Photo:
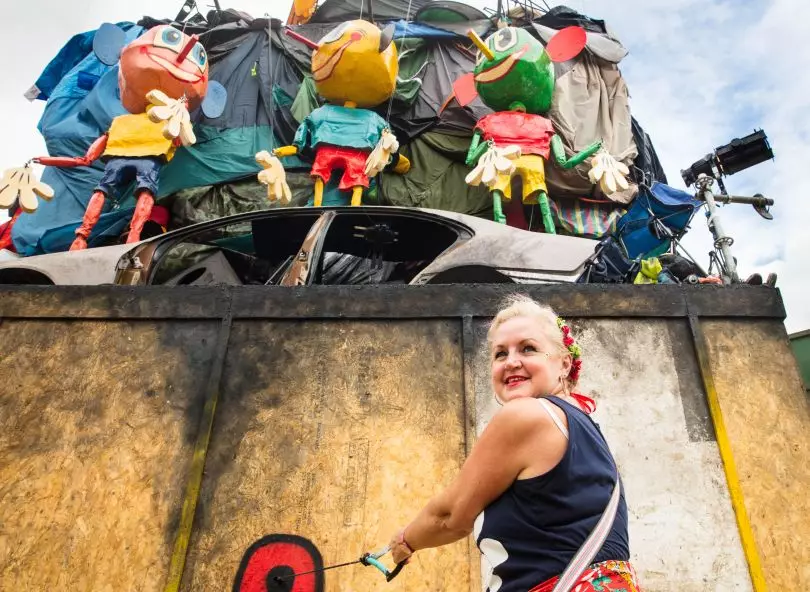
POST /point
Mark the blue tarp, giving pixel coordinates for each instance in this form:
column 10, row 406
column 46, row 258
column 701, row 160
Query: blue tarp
column 411, row 29
column 73, row 118
column 73, row 52
column 110, row 226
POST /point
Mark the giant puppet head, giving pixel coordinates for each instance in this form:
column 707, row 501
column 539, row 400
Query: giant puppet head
column 515, row 72
column 163, row 59
column 357, row 63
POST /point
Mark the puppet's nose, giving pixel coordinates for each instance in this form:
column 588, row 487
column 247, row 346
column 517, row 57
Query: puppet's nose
column 357, row 36
column 182, row 55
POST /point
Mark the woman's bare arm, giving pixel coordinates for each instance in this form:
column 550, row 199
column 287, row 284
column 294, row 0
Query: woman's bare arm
column 520, row 435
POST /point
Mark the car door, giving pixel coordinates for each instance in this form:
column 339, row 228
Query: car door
column 248, row 249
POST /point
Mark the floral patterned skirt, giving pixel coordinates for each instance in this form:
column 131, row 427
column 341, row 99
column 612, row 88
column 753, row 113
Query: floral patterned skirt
column 608, row 576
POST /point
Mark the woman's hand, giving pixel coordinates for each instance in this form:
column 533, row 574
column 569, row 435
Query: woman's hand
column 400, row 549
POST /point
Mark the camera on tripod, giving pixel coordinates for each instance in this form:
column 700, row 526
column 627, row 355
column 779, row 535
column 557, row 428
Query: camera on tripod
column 736, row 156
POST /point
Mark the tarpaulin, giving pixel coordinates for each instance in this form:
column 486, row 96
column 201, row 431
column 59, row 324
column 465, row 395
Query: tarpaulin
column 74, row 117
column 335, row 11
column 647, row 168
column 436, row 178
column 404, row 28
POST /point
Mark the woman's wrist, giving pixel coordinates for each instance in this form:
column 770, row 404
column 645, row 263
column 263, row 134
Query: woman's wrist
column 402, row 541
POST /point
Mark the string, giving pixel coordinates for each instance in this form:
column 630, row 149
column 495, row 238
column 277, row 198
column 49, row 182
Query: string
column 272, row 80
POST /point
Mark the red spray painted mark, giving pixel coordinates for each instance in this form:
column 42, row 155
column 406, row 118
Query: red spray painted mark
column 279, row 555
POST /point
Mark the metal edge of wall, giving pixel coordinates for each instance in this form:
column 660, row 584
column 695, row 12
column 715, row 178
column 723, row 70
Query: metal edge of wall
column 729, row 466
column 383, row 301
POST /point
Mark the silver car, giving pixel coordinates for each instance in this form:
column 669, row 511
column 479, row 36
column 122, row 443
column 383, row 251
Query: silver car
column 305, row 246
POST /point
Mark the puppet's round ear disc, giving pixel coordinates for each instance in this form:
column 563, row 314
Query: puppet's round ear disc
column 216, row 96
column 567, row 44
column 108, row 42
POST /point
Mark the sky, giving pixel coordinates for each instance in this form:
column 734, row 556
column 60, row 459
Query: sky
column 700, row 73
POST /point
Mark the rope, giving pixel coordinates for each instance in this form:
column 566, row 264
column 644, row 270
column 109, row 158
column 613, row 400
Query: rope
column 272, row 79
column 280, row 579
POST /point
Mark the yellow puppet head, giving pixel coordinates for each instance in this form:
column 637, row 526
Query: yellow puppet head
column 357, row 63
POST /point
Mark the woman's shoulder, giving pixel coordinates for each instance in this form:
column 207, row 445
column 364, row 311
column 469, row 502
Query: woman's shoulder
column 525, row 413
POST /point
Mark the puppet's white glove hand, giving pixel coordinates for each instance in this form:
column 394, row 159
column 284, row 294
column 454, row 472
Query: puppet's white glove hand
column 22, row 183
column 609, row 173
column 274, row 177
column 175, row 113
column 381, row 154
column 495, row 161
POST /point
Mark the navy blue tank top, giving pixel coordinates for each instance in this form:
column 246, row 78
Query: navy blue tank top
column 531, row 532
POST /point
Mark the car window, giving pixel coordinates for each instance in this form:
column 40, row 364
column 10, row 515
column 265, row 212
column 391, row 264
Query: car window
column 381, row 248
column 255, row 251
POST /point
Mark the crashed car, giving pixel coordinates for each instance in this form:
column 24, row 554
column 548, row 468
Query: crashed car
column 328, row 246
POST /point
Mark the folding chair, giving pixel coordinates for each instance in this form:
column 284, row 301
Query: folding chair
column 657, row 218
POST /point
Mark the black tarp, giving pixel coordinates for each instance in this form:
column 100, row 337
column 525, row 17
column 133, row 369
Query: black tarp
column 443, row 64
column 647, row 167
column 562, row 16
column 336, row 11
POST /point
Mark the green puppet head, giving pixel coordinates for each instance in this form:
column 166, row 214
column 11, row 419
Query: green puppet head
column 516, row 73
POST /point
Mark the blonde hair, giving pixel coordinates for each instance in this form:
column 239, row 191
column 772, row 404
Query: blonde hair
column 519, row 305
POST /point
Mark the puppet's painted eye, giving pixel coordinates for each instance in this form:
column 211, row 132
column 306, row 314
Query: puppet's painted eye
column 199, row 55
column 335, row 33
column 171, row 37
column 505, row 39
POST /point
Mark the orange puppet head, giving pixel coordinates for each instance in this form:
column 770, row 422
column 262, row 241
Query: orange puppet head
column 163, row 59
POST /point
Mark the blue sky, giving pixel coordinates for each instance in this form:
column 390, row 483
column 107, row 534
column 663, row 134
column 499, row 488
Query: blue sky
column 700, row 72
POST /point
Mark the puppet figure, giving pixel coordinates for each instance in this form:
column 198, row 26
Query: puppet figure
column 514, row 76
column 162, row 75
column 354, row 68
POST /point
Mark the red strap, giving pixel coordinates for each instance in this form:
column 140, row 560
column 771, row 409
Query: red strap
column 587, row 404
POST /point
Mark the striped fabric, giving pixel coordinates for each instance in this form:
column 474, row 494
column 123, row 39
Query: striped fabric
column 587, row 219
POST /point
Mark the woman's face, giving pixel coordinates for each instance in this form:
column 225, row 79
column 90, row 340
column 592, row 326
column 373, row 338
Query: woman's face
column 525, row 363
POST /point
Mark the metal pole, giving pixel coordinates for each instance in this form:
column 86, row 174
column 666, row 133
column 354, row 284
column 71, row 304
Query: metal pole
column 756, row 200
column 721, row 241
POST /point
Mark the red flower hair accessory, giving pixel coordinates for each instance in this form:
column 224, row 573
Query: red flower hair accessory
column 573, row 349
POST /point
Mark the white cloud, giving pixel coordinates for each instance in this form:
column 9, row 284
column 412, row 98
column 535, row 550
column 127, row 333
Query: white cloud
column 700, row 72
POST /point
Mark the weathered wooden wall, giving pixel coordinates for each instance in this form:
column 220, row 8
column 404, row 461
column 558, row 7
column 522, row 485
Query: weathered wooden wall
column 335, row 431
column 97, row 422
column 335, row 412
column 767, row 415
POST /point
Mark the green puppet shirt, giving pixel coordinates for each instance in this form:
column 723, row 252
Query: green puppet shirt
column 340, row 126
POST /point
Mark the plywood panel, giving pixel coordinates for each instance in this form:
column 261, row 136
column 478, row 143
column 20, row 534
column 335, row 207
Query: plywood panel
column 651, row 407
column 96, row 425
column 767, row 416
column 336, row 432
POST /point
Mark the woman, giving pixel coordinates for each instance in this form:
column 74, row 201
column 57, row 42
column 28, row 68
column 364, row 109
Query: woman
column 540, row 477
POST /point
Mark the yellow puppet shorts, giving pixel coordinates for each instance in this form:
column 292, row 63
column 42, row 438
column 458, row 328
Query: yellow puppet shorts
column 531, row 168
